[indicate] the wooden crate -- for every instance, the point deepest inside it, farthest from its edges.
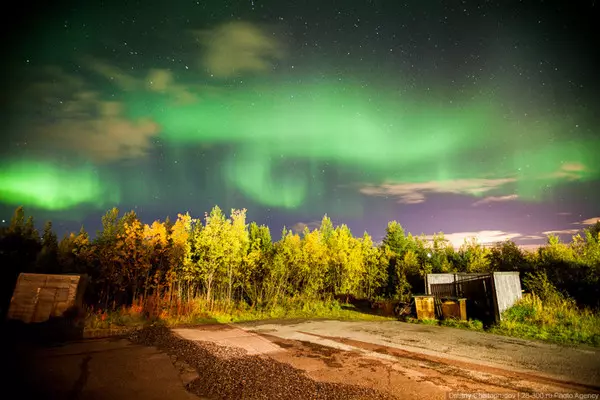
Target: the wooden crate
(454, 308)
(38, 297)
(425, 307)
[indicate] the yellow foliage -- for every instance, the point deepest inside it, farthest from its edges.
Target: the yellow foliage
(156, 234)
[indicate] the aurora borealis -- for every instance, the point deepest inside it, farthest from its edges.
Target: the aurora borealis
(43, 186)
(446, 116)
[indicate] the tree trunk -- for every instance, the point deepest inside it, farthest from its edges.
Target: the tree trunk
(208, 288)
(229, 290)
(146, 284)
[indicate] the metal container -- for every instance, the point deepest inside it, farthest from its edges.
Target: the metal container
(425, 307)
(489, 294)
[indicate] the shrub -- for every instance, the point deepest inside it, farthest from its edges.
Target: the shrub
(559, 321)
(539, 284)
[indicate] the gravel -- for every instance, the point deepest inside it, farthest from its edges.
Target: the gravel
(229, 373)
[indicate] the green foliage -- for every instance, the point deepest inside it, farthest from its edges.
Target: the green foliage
(592, 233)
(437, 255)
(230, 270)
(199, 310)
(560, 322)
(326, 228)
(29, 231)
(539, 284)
(219, 251)
(472, 324)
(422, 321)
(257, 264)
(573, 269)
(475, 255)
(507, 256)
(47, 259)
(395, 244)
(375, 268)
(110, 223)
(310, 270)
(395, 238)
(19, 248)
(17, 222)
(346, 262)
(406, 267)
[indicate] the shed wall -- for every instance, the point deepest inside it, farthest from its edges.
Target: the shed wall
(434, 279)
(38, 297)
(508, 290)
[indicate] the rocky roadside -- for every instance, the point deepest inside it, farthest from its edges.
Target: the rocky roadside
(229, 373)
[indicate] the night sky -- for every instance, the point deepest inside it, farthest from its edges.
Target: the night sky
(471, 118)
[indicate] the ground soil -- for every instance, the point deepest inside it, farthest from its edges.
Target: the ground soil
(298, 360)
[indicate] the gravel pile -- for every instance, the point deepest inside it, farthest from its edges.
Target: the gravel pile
(229, 373)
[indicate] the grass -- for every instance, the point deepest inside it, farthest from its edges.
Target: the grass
(559, 321)
(120, 318)
(412, 320)
(471, 324)
(199, 312)
(292, 309)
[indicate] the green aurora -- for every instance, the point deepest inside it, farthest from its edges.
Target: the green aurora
(389, 139)
(386, 138)
(45, 185)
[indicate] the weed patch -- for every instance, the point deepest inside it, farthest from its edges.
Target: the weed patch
(559, 321)
(199, 311)
(472, 324)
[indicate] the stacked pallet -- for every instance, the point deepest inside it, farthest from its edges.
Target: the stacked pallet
(39, 297)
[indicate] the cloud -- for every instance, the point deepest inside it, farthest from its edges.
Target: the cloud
(531, 237)
(69, 115)
(237, 47)
(573, 231)
(569, 171)
(157, 80)
(113, 74)
(589, 221)
(300, 226)
(414, 193)
(483, 237)
(495, 199)
(96, 129)
(162, 81)
(561, 232)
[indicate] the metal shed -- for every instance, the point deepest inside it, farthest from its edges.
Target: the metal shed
(39, 297)
(488, 294)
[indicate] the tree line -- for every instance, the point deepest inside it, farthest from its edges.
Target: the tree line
(226, 259)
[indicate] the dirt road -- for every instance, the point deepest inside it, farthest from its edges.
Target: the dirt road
(303, 359)
(466, 349)
(113, 369)
(414, 361)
